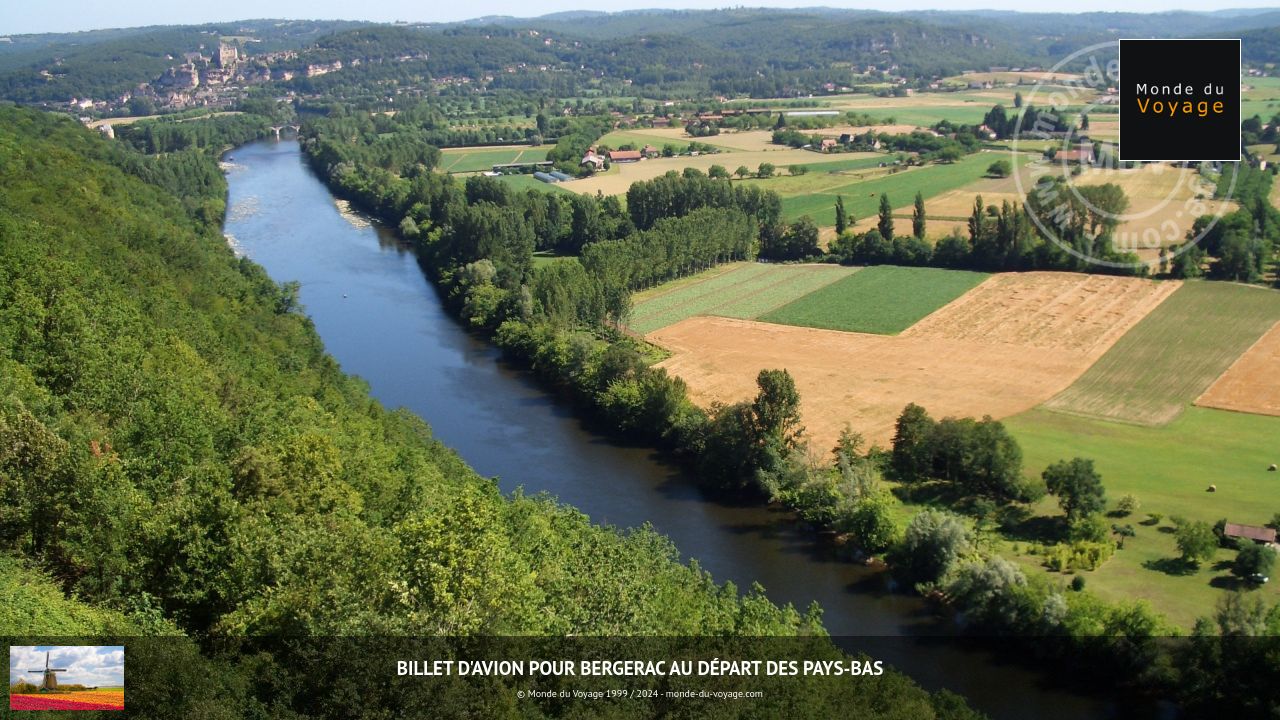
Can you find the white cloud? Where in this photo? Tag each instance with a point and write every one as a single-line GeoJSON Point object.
{"type": "Point", "coordinates": [91, 665]}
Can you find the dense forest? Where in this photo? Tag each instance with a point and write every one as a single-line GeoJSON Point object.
{"type": "Point", "coordinates": [168, 415]}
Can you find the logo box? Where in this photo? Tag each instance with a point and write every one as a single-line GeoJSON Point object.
{"type": "Point", "coordinates": [1158, 78]}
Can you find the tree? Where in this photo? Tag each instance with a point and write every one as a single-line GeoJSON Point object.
{"type": "Point", "coordinates": [987, 590]}
{"type": "Point", "coordinates": [742, 172]}
{"type": "Point", "coordinates": [1253, 560]}
{"type": "Point", "coordinates": [912, 456]}
{"type": "Point", "coordinates": [798, 241]}
{"type": "Point", "coordinates": [1196, 541]}
{"type": "Point", "coordinates": [765, 170]}
{"type": "Point", "coordinates": [872, 525]}
{"type": "Point", "coordinates": [917, 217]}
{"type": "Point", "coordinates": [934, 541]}
{"type": "Point", "coordinates": [885, 224]}
{"type": "Point", "coordinates": [1188, 263]}
{"type": "Point", "coordinates": [999, 169]}
{"type": "Point", "coordinates": [797, 169]}
{"type": "Point", "coordinates": [1078, 487]}
{"type": "Point", "coordinates": [718, 172]}
{"type": "Point", "coordinates": [777, 407]}
{"type": "Point", "coordinates": [1084, 121]}
{"type": "Point", "coordinates": [842, 219]}
{"type": "Point", "coordinates": [1017, 99]}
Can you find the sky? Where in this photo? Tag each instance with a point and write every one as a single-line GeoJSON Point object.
{"type": "Point", "coordinates": [89, 665]}
{"type": "Point", "coordinates": [17, 17]}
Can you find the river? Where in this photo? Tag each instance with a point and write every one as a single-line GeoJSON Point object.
{"type": "Point", "coordinates": [382, 320]}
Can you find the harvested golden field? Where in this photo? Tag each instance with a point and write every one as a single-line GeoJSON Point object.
{"type": "Point", "coordinates": [1004, 347]}
{"type": "Point", "coordinates": [1252, 383]}
{"type": "Point", "coordinates": [1050, 310]}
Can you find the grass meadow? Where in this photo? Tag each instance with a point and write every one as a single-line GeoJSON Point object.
{"type": "Point", "coordinates": [1169, 469]}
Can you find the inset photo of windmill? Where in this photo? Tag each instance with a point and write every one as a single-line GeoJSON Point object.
{"type": "Point", "coordinates": [66, 677]}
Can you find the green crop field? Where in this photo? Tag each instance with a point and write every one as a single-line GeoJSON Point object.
{"type": "Point", "coordinates": [1169, 470]}
{"type": "Point", "coordinates": [527, 182]}
{"type": "Point", "coordinates": [460, 160]}
{"type": "Point", "coordinates": [884, 299]}
{"type": "Point", "coordinates": [1172, 355]}
{"type": "Point", "coordinates": [862, 198]}
{"type": "Point", "coordinates": [745, 290]}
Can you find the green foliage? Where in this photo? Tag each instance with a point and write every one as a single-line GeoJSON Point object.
{"type": "Point", "coordinates": [1078, 555]}
{"type": "Point", "coordinates": [1000, 169]}
{"type": "Point", "coordinates": [1078, 487]}
{"type": "Point", "coordinates": [979, 457]}
{"type": "Point", "coordinates": [871, 524]}
{"type": "Point", "coordinates": [1196, 541]}
{"type": "Point", "coordinates": [1253, 560]}
{"type": "Point", "coordinates": [935, 540]}
{"type": "Point", "coordinates": [1128, 505]}
{"type": "Point", "coordinates": [176, 419]}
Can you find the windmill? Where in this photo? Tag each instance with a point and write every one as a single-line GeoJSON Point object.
{"type": "Point", "coordinates": [50, 674]}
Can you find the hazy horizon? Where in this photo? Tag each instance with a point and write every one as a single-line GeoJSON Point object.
{"type": "Point", "coordinates": [60, 16]}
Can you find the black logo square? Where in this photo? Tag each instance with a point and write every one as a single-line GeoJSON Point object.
{"type": "Point", "coordinates": [1180, 100]}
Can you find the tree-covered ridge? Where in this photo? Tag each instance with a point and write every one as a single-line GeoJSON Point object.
{"type": "Point", "coordinates": [760, 52]}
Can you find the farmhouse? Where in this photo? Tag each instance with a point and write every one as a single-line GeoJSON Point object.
{"type": "Point", "coordinates": [828, 144]}
{"type": "Point", "coordinates": [1263, 535]}
{"type": "Point", "coordinates": [650, 151]}
{"type": "Point", "coordinates": [1082, 155]}
{"type": "Point", "coordinates": [624, 156]}
{"type": "Point", "coordinates": [591, 158]}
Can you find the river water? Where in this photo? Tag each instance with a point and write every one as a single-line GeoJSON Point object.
{"type": "Point", "coordinates": [382, 320]}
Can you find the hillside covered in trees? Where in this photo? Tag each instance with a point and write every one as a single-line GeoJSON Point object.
{"type": "Point", "coordinates": [756, 52]}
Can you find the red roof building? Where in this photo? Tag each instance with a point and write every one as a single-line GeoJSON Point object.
{"type": "Point", "coordinates": [1250, 532]}
{"type": "Point", "coordinates": [624, 156]}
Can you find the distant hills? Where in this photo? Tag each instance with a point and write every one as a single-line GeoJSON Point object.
{"type": "Point", "coordinates": [686, 52]}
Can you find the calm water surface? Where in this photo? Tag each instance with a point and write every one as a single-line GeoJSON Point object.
{"type": "Point", "coordinates": [383, 321]}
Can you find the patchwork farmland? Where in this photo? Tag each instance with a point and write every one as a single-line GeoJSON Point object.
{"type": "Point", "coordinates": [1002, 348]}
{"type": "Point", "coordinates": [1173, 355]}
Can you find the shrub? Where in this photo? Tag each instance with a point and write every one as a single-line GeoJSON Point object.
{"type": "Point", "coordinates": [872, 525]}
{"type": "Point", "coordinates": [934, 541]}
{"type": "Point", "coordinates": [1077, 583]}
{"type": "Point", "coordinates": [1127, 505]}
{"type": "Point", "coordinates": [1081, 555]}
{"type": "Point", "coordinates": [999, 169]}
